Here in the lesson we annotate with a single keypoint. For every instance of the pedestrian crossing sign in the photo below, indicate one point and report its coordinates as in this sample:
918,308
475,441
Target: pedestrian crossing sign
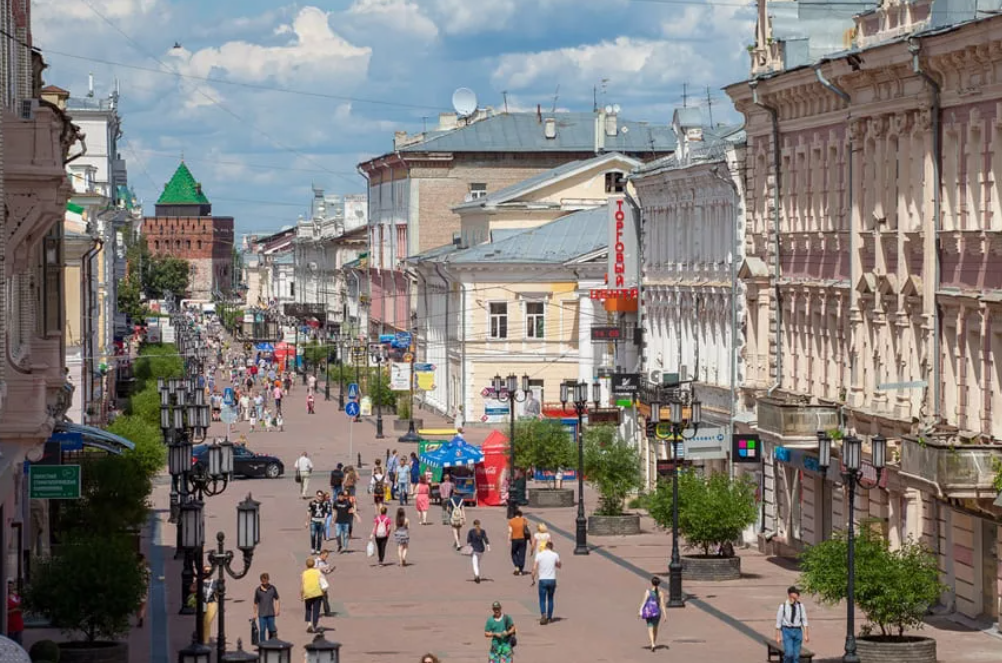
353,391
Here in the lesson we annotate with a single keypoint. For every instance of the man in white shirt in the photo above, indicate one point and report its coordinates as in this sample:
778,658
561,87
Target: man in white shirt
304,466
791,626
544,570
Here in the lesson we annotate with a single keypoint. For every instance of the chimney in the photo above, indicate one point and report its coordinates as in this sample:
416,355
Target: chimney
447,121
600,131
550,128
398,138
539,113
611,128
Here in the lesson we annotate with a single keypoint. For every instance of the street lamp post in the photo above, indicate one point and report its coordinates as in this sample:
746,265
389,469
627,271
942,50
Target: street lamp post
342,349
507,389
411,435
327,370
577,394
221,560
379,356
852,461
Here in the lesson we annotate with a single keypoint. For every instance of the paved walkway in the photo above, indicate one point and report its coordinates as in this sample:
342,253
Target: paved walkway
393,614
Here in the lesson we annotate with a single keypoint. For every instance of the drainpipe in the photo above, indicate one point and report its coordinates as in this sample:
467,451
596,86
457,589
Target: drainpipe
777,171
445,326
937,157
86,306
844,96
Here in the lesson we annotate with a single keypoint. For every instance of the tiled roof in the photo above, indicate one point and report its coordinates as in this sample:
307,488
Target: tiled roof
182,189
523,132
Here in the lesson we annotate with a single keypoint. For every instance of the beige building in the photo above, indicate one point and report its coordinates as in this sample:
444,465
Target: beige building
872,284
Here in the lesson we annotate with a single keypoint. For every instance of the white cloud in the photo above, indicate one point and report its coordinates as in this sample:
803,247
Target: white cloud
458,16
397,15
76,10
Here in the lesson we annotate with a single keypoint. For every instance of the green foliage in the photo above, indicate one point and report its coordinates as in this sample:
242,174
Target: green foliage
997,479
543,444
316,352
404,407
130,301
230,317
157,360
166,275
45,650
612,465
894,589
711,510
150,453
641,501
113,498
90,585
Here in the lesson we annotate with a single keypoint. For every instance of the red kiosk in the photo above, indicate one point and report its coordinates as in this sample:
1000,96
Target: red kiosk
492,474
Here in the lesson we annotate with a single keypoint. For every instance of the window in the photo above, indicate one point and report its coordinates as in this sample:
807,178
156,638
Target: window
614,183
534,320
478,190
499,320
51,291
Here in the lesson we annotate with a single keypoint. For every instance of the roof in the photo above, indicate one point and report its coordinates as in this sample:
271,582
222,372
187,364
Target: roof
713,148
182,189
558,241
688,117
523,132
544,179
55,89
104,439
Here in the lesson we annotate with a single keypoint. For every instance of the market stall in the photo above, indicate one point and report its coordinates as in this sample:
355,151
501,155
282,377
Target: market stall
459,458
492,474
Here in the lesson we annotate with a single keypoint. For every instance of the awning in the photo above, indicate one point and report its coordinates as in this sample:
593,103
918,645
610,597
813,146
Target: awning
96,434
456,453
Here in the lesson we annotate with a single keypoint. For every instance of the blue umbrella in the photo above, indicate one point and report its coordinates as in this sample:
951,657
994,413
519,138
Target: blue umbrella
265,347
456,453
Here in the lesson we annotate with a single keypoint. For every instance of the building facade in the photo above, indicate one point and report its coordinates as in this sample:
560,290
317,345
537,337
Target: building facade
183,226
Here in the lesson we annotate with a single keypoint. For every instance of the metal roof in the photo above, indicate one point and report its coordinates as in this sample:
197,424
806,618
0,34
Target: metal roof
523,132
566,238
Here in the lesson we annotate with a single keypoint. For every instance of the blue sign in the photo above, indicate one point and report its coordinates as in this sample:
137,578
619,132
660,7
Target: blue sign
228,396
386,338
68,441
352,409
353,391
402,340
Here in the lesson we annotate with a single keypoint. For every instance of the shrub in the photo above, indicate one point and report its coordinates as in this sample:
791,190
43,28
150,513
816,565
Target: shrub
711,510
894,589
113,498
91,585
150,452
612,465
404,407
45,650
543,444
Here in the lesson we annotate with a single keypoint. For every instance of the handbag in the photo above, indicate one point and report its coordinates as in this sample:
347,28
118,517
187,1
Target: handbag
324,585
370,549
652,608
299,477
255,633
466,550
513,638
526,532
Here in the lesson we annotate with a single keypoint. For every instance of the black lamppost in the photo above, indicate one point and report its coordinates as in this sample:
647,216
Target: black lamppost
507,389
327,369
411,435
378,356
685,413
852,452
342,348
577,394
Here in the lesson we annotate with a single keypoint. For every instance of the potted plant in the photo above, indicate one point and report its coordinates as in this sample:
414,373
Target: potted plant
91,586
612,466
544,444
404,414
893,588
712,512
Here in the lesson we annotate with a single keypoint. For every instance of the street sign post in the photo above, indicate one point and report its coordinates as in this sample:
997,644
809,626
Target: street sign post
54,482
351,409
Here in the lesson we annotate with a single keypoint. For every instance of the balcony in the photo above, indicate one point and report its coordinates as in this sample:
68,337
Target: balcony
958,471
795,423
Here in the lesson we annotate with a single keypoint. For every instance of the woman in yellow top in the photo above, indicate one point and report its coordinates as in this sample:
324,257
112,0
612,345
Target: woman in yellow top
540,538
311,592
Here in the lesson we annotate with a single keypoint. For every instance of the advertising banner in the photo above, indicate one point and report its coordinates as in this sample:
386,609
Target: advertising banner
400,376
425,376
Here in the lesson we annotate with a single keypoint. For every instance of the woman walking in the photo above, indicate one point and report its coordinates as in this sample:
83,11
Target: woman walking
402,535
422,500
415,472
403,479
457,517
311,592
540,538
652,609
377,485
381,532
477,539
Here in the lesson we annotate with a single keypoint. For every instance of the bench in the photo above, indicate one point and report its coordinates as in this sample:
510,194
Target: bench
774,652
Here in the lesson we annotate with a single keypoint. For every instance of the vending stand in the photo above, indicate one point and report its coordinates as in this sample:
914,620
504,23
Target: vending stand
459,458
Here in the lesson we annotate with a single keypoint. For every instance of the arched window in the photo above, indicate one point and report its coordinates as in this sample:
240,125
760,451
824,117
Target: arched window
156,245
187,244
198,244
177,244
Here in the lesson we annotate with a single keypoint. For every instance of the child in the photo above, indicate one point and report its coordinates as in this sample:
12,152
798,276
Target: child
310,401
253,419
267,421
279,422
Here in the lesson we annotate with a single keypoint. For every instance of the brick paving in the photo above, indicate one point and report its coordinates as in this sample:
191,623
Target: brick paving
393,614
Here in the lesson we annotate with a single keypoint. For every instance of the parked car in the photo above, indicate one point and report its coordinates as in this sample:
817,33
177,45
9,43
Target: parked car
246,463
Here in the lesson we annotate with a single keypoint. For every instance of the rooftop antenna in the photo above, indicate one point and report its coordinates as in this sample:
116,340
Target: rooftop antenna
594,94
504,93
685,96
709,105
464,100
90,85
556,95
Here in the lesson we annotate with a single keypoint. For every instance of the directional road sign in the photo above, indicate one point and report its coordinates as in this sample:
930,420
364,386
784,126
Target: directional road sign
228,414
353,391
54,482
352,409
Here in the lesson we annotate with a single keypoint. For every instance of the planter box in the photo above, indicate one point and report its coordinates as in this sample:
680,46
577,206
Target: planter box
711,569
551,497
403,425
909,649
624,525
98,652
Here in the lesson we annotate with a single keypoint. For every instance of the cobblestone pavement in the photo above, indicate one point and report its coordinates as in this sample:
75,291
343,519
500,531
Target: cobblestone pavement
393,614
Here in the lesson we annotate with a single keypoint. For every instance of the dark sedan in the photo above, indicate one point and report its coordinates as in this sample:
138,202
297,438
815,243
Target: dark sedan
246,463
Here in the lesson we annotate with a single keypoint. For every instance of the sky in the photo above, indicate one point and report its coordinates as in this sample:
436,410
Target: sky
297,95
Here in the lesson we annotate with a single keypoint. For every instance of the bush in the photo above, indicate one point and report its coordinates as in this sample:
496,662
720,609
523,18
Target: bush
113,498
92,585
157,360
150,452
404,407
894,589
543,444
711,510
45,650
641,501
612,465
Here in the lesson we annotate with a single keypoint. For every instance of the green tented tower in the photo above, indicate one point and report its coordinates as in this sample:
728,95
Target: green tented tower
183,196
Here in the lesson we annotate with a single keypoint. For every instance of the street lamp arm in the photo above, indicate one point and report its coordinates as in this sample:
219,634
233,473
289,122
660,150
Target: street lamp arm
695,430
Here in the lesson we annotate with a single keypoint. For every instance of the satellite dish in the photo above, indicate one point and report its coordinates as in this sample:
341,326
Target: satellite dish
608,110
656,376
615,108
464,100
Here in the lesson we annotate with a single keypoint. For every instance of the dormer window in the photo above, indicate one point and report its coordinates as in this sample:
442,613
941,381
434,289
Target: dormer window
615,182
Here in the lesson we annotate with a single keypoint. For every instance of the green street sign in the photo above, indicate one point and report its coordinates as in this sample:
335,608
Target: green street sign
54,482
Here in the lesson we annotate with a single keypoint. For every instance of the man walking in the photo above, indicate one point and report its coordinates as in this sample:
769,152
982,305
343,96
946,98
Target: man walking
544,573
392,466
344,513
318,510
337,480
304,467
518,527
266,608
791,626
445,492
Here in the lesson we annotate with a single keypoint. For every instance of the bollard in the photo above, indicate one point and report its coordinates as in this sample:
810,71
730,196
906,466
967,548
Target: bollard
360,459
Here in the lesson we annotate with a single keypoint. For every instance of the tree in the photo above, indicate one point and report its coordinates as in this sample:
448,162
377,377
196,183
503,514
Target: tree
612,465
711,510
113,498
130,300
894,589
543,444
150,453
91,585
167,275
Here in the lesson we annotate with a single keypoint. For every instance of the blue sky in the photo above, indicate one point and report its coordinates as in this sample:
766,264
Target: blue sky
258,149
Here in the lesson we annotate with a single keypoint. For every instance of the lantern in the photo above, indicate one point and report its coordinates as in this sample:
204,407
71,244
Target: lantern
878,451
192,525
248,524
852,448
824,451
275,651
322,651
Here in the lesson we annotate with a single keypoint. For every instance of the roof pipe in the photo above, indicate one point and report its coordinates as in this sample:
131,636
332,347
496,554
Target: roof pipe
778,270
937,212
844,96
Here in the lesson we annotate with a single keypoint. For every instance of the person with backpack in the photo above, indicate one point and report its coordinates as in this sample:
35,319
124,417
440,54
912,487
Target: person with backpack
457,517
381,532
377,486
500,628
337,480
652,609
